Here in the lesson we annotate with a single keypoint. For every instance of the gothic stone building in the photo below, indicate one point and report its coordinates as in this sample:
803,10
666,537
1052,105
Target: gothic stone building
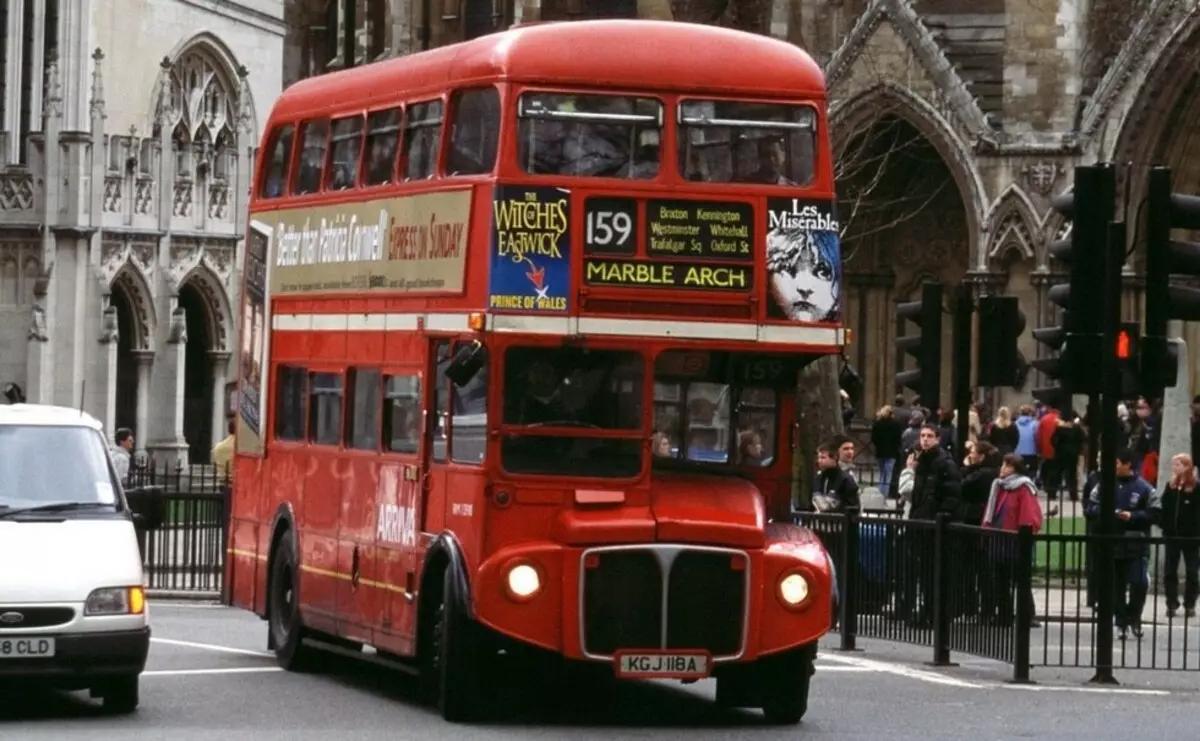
126,132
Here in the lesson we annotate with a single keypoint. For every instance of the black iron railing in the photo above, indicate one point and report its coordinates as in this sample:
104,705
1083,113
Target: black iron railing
184,552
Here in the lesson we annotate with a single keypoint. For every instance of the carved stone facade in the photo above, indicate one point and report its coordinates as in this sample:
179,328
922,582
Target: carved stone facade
122,210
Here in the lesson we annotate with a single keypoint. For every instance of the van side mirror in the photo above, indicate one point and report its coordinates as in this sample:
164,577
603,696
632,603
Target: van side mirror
148,505
466,363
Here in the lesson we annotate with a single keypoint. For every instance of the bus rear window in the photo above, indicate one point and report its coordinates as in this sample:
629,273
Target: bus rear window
609,136
736,142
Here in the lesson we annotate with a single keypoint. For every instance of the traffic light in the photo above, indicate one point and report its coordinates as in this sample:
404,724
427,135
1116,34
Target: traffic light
1128,354
1090,207
1166,211
997,360
925,346
1054,338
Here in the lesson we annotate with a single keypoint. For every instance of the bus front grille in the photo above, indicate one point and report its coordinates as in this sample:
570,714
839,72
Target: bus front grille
629,591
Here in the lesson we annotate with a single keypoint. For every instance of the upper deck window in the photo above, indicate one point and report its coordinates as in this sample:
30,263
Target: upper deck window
737,142
610,136
279,154
383,141
475,133
314,138
344,153
422,139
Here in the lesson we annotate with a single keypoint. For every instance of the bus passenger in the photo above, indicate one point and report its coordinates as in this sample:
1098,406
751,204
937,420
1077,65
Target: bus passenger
750,449
660,444
772,162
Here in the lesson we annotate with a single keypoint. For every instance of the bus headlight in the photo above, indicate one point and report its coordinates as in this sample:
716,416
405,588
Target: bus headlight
523,582
793,589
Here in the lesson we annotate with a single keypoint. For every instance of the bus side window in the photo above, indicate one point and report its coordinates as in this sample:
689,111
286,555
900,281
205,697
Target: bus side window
274,181
310,162
468,423
363,411
346,141
402,414
422,139
383,140
291,397
325,408
475,132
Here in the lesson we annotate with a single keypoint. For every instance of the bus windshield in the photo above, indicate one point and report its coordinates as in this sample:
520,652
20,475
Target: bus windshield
710,410
550,392
735,142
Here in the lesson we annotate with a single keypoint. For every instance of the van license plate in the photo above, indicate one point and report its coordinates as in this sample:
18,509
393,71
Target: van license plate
26,648
663,665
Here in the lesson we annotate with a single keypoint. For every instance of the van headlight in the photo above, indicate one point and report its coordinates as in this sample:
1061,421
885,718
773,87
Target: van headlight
116,601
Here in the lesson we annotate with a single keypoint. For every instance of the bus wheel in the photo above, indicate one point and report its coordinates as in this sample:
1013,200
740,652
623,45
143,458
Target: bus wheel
456,661
284,624
784,681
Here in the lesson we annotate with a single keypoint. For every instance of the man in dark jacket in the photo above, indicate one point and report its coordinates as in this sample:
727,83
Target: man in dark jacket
1139,507
981,469
936,489
937,486
836,489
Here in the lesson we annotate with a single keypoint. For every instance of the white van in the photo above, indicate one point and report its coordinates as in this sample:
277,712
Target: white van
72,601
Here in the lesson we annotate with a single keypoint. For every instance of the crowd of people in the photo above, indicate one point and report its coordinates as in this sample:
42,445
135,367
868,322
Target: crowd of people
1010,465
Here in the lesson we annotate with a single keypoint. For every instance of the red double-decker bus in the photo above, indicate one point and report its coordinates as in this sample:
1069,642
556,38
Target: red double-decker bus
522,321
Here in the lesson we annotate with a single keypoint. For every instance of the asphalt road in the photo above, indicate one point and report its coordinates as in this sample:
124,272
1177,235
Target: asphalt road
209,678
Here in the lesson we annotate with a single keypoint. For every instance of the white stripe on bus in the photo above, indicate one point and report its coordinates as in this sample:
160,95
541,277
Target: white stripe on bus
713,330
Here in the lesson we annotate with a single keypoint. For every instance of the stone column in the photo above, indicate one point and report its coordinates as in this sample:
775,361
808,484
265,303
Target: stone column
145,362
220,362
171,447
39,359
109,340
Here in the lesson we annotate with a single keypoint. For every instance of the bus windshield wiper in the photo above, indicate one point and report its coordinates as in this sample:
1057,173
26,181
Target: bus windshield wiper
52,507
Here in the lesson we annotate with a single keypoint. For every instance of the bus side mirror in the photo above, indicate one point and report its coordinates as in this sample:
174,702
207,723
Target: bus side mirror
466,363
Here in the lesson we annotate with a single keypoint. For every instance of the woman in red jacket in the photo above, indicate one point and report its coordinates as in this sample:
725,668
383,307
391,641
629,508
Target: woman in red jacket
1011,505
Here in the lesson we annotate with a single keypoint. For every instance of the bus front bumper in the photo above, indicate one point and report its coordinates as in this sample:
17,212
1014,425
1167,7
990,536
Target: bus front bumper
628,604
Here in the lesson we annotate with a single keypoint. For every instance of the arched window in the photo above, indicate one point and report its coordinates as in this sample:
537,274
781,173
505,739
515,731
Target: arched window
203,111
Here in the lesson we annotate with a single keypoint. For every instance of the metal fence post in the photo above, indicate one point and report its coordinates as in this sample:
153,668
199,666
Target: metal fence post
941,592
1025,608
848,609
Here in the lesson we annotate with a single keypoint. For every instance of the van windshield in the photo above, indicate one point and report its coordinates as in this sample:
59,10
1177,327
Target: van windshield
45,465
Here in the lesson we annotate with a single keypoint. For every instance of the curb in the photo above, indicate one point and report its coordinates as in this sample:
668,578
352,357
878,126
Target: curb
184,594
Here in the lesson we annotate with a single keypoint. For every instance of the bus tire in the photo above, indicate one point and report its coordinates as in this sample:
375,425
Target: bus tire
283,621
456,658
784,682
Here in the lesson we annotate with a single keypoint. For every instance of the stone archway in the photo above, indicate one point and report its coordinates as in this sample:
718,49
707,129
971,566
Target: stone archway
130,298
208,322
904,221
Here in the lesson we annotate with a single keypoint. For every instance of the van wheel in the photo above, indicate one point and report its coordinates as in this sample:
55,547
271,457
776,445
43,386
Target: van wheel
119,695
784,682
456,659
287,632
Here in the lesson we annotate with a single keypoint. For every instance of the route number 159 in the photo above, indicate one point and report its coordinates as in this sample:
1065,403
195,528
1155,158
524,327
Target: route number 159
609,226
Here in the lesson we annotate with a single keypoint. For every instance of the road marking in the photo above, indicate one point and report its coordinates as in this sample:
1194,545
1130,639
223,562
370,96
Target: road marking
848,669
227,670
1085,690
900,670
212,647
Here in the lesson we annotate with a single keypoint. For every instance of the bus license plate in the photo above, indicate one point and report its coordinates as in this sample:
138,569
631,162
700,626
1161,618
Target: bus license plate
26,648
663,665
